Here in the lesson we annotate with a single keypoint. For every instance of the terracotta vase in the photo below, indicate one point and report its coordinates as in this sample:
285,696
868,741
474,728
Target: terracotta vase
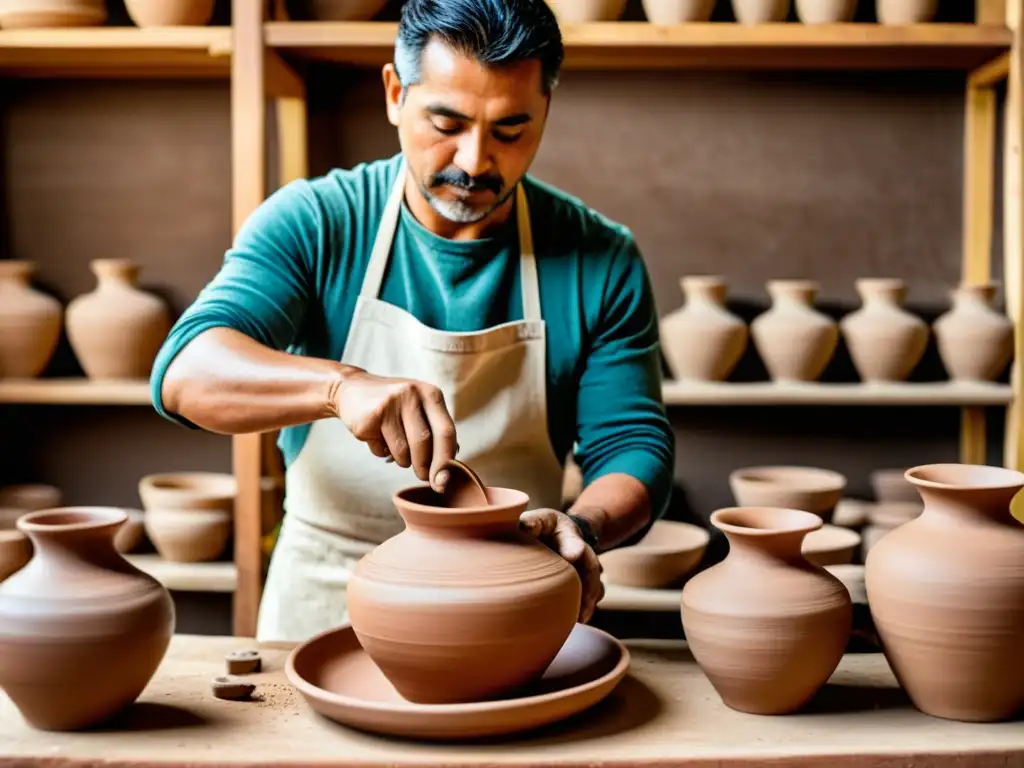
334,10
586,11
462,606
947,594
188,515
826,11
677,11
15,552
30,323
810,489
117,329
766,626
702,340
83,629
905,11
975,341
170,13
28,14
885,341
794,340
760,11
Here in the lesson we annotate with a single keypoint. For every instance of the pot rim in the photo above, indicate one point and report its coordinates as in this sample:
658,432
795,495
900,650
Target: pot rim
692,538
801,521
400,497
96,517
219,480
819,478
1011,477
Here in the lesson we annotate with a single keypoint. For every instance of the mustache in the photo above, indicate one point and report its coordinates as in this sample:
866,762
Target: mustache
458,178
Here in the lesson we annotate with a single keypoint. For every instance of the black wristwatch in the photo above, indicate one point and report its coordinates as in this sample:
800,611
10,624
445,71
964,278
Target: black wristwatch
586,531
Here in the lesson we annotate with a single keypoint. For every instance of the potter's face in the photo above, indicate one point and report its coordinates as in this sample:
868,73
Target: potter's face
468,132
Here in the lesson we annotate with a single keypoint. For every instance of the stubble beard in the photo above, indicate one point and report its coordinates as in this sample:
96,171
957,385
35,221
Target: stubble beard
459,212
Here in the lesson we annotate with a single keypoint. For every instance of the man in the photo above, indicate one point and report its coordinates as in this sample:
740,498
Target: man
438,303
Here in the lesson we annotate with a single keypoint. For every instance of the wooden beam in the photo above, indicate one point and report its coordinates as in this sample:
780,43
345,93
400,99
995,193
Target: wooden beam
990,12
991,72
1013,234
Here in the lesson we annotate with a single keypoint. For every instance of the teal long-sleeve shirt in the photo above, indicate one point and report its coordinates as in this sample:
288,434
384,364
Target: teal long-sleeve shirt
292,276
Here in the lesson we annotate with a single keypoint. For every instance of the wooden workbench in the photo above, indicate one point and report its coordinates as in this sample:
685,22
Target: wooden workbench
664,713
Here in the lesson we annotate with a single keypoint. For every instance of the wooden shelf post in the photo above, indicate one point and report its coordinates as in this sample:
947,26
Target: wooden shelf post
1013,236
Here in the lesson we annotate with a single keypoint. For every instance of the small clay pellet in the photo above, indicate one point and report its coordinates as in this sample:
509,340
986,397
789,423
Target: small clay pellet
231,688
243,662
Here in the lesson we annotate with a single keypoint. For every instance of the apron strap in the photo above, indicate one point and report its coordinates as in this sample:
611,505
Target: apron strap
527,259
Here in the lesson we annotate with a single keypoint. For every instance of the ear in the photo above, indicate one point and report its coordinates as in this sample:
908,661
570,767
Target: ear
392,93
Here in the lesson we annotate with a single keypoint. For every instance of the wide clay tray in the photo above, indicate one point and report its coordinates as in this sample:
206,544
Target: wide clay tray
340,681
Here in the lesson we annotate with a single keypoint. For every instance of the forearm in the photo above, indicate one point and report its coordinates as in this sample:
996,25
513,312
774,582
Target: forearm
617,505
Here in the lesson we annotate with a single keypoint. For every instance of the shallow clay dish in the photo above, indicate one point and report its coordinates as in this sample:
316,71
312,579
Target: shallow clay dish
831,545
805,488
340,682
662,558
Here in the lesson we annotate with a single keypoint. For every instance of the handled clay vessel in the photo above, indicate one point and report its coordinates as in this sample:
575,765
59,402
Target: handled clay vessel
975,341
794,340
702,340
947,594
30,322
462,606
81,629
766,626
885,341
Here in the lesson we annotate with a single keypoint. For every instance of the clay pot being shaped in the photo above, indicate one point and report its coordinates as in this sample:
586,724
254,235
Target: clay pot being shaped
586,11
16,500
702,341
670,12
188,515
462,606
896,12
826,11
767,627
170,13
975,342
760,11
334,10
794,340
885,341
664,557
79,615
30,14
15,552
947,594
806,488
117,329
30,323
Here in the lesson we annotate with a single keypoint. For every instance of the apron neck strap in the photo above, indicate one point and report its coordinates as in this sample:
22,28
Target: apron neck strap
374,276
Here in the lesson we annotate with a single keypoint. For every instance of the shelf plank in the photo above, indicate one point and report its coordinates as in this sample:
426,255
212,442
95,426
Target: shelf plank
941,393
715,45
188,577
74,392
193,52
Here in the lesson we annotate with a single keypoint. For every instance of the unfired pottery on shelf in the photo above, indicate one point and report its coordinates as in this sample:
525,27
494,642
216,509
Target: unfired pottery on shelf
117,329
670,12
21,498
826,11
975,341
892,485
851,513
30,323
340,681
947,594
29,14
702,340
15,552
767,627
83,629
666,555
794,340
462,605
808,488
885,341
831,545
760,11
586,11
892,514
897,12
333,10
170,13
130,534
188,515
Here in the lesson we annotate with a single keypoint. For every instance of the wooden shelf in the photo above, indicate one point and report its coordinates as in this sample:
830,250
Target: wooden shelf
74,392
770,393
640,45
188,577
200,52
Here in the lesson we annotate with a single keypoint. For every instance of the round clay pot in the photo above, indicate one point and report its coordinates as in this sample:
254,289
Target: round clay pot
664,557
702,341
462,606
831,545
892,485
189,515
760,11
826,11
170,13
905,11
794,340
806,488
947,594
975,342
670,12
851,513
30,323
16,500
130,534
116,330
333,10
767,627
15,552
29,14
83,629
885,341
586,11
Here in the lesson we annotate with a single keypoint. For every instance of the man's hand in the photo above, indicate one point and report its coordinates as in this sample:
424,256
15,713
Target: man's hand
558,531
401,419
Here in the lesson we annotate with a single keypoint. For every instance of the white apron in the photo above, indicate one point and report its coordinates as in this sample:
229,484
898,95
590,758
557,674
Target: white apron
339,494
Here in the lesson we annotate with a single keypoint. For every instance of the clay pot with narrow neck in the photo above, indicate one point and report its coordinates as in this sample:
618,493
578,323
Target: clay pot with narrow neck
677,11
766,626
117,329
81,629
885,341
947,594
703,341
975,341
760,11
826,11
794,340
586,11
898,12
170,13
30,323
462,605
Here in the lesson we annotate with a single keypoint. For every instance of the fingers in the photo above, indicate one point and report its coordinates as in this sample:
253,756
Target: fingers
561,534
589,568
442,430
393,432
418,435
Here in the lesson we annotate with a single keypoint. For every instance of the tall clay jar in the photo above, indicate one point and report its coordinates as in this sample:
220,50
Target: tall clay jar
885,341
975,341
703,341
760,11
766,626
117,329
30,322
947,594
82,631
462,606
794,340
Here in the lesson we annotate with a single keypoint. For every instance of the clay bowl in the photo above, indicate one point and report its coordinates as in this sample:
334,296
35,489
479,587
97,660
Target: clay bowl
15,552
188,514
663,558
587,11
339,681
805,488
129,535
16,500
893,514
891,485
831,545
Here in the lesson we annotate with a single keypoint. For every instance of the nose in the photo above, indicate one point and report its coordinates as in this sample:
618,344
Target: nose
472,156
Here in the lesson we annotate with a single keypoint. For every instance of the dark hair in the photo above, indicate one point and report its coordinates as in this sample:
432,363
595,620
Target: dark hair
491,31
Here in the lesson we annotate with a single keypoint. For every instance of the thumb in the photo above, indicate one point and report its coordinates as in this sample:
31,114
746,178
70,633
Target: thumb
570,544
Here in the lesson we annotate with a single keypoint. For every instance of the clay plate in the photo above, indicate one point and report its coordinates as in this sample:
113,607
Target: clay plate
340,682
